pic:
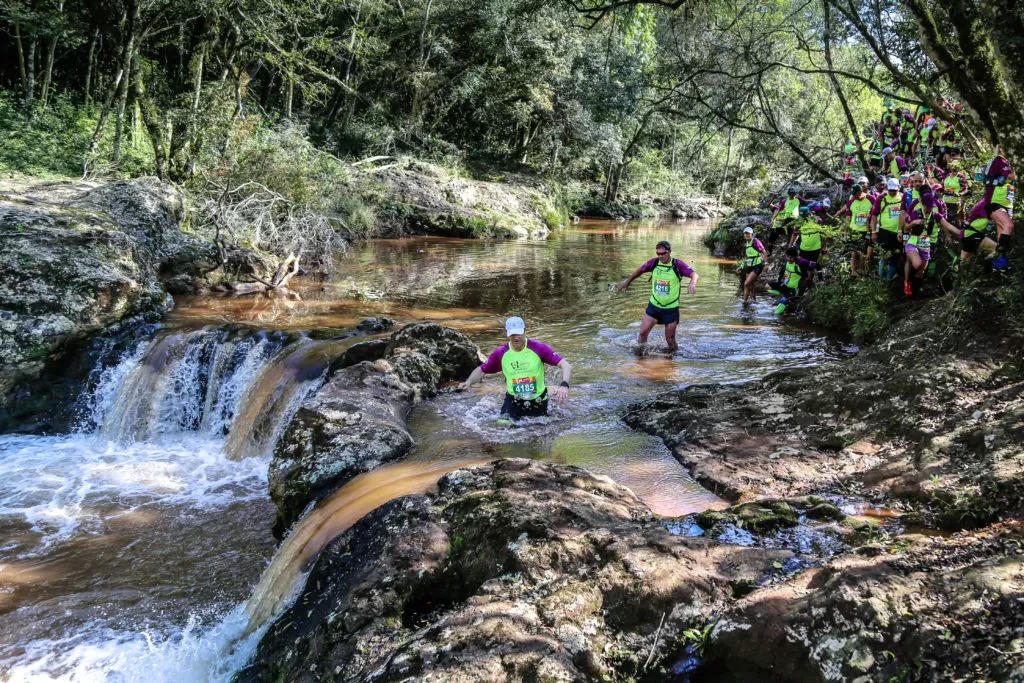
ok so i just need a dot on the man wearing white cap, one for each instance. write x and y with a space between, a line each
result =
522 362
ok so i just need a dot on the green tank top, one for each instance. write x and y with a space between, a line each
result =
793 275
951 189
889 212
810 235
860 212
753 256
524 373
665 286
791 209
1003 195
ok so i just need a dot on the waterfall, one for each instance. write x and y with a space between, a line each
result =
332 517
236 385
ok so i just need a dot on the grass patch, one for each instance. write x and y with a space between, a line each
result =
864 308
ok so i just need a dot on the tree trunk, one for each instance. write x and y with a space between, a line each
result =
128 55
48 74
289 92
21 60
30 81
88 68
152 122
827 39
725 173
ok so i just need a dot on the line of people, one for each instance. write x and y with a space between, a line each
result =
899 219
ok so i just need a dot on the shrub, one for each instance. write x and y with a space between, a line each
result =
861 307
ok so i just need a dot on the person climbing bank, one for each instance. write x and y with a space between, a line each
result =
667 275
754 255
522 362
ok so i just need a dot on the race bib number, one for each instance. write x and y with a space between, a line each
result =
662 287
524 387
894 213
1010 191
749 261
860 220
924 243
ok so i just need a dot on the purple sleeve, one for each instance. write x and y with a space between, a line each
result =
804 263
759 245
876 208
649 266
901 164
493 363
685 269
545 352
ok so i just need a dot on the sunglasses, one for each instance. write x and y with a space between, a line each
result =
662 253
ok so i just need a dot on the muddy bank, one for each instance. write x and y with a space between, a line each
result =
514 570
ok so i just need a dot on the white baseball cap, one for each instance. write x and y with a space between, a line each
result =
748 229
826 202
862 179
515 325
893 184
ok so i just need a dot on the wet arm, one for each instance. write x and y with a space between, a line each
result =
474 377
562 392
694 279
636 273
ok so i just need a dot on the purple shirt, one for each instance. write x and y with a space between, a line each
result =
681 267
978 212
546 353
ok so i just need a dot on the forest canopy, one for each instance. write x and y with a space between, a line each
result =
647 97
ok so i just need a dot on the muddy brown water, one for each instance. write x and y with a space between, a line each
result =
128 553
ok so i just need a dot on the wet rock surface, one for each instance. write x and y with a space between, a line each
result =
727 238
516 570
356 421
423 199
928 416
78 258
933 609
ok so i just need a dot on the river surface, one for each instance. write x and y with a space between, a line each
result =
127 550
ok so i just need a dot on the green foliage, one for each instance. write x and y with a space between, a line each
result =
699 637
862 307
52 142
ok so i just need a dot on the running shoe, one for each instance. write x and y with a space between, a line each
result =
1001 263
908 289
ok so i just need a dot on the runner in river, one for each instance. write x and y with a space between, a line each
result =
522 362
667 274
754 255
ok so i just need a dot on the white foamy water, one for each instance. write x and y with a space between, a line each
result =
115 556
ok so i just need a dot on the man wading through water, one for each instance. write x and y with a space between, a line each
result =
522 362
667 274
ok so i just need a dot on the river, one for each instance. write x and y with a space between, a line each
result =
128 550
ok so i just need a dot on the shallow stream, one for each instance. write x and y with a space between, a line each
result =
127 550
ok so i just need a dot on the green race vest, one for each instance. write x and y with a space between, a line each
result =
810 235
951 189
894 168
1003 195
753 256
524 373
889 214
791 209
860 212
793 275
665 285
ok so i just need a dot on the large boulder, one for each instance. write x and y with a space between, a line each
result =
516 570
942 610
72 268
356 421
727 237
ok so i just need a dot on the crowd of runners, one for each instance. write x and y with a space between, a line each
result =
919 193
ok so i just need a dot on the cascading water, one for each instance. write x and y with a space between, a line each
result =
173 444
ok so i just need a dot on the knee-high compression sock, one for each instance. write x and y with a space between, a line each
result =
1004 245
